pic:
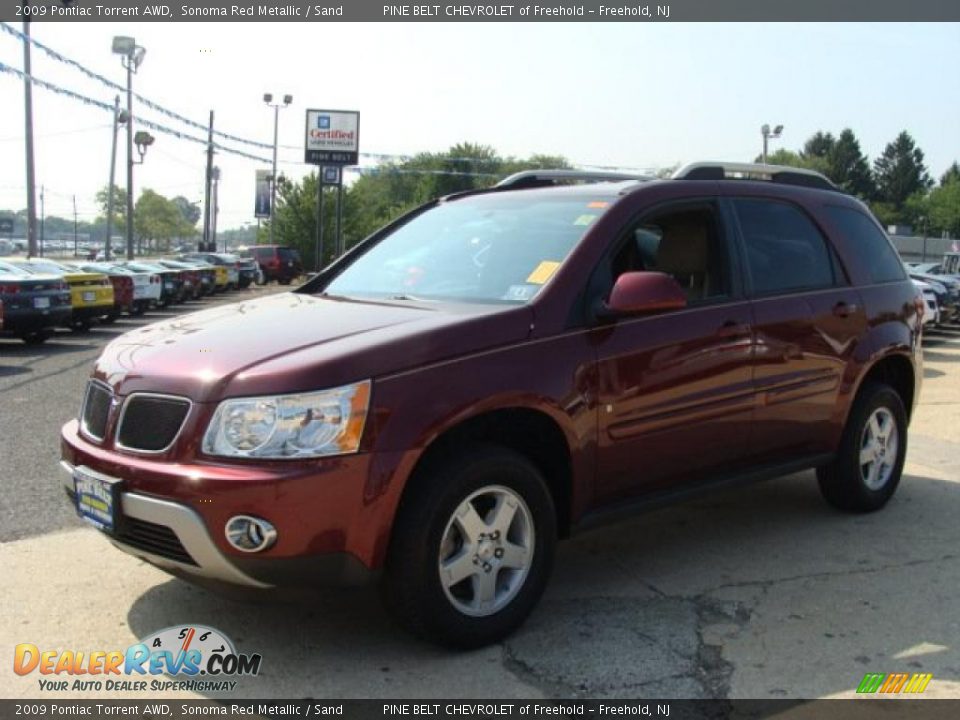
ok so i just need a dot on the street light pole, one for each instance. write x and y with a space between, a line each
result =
767 135
117 118
131 57
28 121
268 99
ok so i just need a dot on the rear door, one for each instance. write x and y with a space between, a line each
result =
675 388
808 320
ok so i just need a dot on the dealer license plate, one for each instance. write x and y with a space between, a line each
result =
41 302
89 296
97 498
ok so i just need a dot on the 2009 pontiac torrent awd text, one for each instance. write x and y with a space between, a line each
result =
498 369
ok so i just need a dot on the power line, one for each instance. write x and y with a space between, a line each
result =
105 106
117 87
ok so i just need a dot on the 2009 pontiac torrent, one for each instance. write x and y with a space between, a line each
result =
498 369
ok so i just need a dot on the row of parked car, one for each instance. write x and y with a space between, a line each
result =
939 282
40 294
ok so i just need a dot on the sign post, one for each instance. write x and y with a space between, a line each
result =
332 142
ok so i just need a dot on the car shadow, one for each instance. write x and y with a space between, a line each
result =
53 346
730 594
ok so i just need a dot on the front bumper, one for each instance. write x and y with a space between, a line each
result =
333 518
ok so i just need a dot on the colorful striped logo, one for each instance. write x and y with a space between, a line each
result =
892 683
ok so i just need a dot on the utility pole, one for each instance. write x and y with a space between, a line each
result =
318 249
340 248
42 220
113 168
129 158
215 208
207 188
75 243
28 122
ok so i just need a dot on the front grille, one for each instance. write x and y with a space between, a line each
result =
150 423
152 538
96 409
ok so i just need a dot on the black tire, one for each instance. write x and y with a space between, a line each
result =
36 337
138 309
110 317
285 281
412 588
80 326
842 482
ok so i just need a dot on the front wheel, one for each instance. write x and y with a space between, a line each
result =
867 469
472 548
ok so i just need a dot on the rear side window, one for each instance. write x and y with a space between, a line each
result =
785 250
873 248
288 254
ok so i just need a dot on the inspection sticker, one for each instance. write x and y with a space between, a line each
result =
584 219
598 204
543 272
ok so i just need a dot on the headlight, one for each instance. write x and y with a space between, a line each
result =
304 425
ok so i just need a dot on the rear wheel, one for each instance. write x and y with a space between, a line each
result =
868 466
472 548
36 337
110 317
80 326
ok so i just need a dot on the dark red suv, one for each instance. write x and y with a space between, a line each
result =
498 369
277 262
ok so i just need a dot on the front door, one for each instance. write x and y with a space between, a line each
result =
675 389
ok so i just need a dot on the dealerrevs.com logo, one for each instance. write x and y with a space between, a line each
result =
203 658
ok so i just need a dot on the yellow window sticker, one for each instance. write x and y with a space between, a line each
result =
600 204
584 219
543 272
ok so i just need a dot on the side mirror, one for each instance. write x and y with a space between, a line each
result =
635 293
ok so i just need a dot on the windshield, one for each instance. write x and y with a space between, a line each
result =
487 248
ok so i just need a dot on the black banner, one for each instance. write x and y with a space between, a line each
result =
854 709
497 11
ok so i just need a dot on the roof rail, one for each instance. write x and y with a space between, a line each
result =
544 178
755 171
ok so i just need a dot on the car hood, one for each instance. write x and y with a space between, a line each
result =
294 342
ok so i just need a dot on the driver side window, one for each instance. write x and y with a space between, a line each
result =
683 243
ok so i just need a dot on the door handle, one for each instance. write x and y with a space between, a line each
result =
844 309
731 328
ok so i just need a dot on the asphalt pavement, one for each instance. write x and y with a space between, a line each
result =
755 592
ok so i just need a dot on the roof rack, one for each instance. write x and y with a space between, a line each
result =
754 171
545 178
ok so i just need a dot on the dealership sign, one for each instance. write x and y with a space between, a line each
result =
261 204
333 137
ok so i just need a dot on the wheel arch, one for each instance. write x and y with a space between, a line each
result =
530 432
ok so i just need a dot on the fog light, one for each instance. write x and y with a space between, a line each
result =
250 534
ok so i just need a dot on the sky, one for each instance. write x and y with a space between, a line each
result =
633 95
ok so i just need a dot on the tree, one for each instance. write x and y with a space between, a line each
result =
156 218
900 172
848 166
189 210
119 206
818 145
952 173
943 207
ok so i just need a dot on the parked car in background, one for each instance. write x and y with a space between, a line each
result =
171 284
204 275
498 369
122 288
228 275
948 293
91 294
146 287
277 262
931 312
190 276
951 264
34 303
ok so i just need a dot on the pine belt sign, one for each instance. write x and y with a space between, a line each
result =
333 137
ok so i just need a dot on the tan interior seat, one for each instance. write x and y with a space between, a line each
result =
684 253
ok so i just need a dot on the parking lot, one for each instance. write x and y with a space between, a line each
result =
757 592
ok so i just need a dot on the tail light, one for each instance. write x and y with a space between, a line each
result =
921 305
154 279
11 289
